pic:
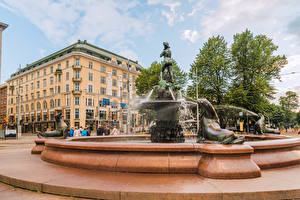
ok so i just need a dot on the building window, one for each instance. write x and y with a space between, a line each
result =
58 102
52 116
38 94
114 82
103 80
52 104
51 80
58 89
76 101
91 65
44 82
133 78
90 76
124 75
67 101
102 91
58 66
89 102
51 91
32 96
44 93
77 74
114 93
67 64
89 114
51 69
32 76
114 72
32 86
38 106
103 69
90 89
59 77
76 86
26 88
67 114
38 84
38 74
102 115
77 62
45 72
11 101
124 85
67 87
76 113
39 117
67 76
45 105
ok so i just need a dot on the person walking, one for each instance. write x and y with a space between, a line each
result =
71 132
76 132
84 132
100 130
115 131
106 130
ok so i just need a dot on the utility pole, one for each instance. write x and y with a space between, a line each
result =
128 99
197 96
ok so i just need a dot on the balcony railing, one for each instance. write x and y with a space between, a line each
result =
76 66
77 79
77 92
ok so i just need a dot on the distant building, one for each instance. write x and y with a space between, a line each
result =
89 85
3 105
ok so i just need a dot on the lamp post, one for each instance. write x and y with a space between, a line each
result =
128 99
197 96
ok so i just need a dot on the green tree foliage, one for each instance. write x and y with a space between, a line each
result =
290 101
212 65
298 118
254 66
275 114
151 76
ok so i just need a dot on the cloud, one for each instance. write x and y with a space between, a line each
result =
172 14
190 35
128 54
92 20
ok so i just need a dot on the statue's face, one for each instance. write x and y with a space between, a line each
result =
166 45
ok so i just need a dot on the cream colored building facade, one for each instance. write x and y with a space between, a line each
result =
87 84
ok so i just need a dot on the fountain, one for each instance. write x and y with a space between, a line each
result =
217 154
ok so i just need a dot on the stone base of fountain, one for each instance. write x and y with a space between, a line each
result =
167 132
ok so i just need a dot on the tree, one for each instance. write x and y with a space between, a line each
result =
213 70
290 101
151 76
254 66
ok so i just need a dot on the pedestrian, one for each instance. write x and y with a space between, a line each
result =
71 132
100 130
115 131
84 132
76 132
80 129
89 130
106 130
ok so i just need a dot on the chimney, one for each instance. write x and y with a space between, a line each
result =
2 27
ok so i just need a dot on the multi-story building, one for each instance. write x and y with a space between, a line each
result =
89 85
3 105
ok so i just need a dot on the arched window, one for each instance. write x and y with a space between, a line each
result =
22 109
32 107
45 105
27 108
38 106
51 103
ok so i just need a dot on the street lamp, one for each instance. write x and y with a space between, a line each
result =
128 98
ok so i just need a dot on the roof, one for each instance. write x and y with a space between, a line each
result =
80 46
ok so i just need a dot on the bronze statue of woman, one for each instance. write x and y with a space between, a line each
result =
167 62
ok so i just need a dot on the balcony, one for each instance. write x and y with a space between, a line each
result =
77 79
58 71
77 92
76 66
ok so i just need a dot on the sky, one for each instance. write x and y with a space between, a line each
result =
137 29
